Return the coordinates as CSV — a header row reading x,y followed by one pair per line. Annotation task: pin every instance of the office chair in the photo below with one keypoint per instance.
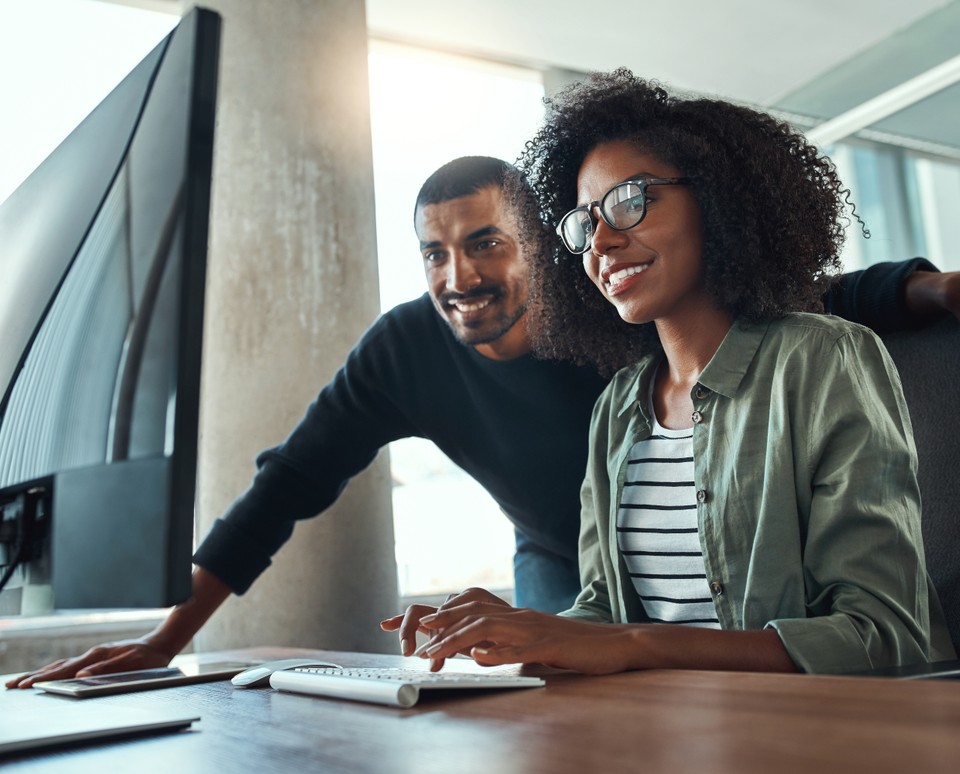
x,y
929,365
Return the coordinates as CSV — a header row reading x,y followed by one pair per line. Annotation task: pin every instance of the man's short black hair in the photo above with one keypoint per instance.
x,y
462,177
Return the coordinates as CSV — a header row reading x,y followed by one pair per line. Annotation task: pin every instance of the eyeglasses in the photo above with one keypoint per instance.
x,y
622,208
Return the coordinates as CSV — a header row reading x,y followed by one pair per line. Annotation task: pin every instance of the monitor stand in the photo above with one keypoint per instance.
x,y
26,587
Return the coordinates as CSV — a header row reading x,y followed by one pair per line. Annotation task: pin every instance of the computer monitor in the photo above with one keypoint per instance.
x,y
103,255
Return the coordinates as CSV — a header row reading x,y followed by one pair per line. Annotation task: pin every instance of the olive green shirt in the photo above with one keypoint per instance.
x,y
808,505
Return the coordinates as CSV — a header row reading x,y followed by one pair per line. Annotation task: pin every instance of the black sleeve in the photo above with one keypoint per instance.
x,y
353,417
874,296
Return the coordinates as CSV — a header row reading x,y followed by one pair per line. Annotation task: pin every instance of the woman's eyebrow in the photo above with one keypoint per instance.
x,y
627,179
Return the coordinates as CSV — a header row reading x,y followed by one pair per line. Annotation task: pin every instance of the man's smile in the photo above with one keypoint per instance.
x,y
469,304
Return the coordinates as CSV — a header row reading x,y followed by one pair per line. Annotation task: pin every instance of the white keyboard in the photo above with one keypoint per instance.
x,y
394,687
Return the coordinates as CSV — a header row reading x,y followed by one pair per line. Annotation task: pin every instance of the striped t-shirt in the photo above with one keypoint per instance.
x,y
657,530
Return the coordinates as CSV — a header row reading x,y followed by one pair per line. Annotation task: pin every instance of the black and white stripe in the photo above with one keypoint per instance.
x,y
657,530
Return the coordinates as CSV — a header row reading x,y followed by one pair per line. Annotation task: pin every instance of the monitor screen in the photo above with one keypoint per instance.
x,y
103,251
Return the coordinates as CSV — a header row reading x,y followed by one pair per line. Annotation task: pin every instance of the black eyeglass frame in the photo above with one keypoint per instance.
x,y
642,183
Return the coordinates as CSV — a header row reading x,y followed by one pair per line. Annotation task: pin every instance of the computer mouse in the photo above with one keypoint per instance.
x,y
258,676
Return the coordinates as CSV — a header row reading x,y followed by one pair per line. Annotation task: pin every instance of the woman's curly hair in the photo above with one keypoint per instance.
x,y
772,211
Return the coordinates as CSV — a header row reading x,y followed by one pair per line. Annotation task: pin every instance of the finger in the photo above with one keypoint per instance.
x,y
451,617
124,662
391,624
452,602
473,594
460,637
410,625
498,655
497,626
19,680
58,670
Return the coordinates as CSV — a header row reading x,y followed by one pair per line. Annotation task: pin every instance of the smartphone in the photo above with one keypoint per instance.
x,y
144,679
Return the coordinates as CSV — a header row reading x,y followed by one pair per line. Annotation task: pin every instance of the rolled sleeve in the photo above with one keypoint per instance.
x,y
863,562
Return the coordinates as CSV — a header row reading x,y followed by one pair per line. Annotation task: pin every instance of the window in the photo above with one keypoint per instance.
x,y
96,43
427,109
907,200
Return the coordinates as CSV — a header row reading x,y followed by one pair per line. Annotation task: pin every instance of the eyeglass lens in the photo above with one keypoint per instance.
x,y
622,207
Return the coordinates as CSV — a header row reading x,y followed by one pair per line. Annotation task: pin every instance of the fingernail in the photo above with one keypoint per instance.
x,y
405,647
428,649
429,618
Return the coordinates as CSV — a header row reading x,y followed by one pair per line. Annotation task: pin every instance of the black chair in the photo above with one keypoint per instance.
x,y
929,365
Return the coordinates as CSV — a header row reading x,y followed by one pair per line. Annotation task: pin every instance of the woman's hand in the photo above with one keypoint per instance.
x,y
494,633
411,622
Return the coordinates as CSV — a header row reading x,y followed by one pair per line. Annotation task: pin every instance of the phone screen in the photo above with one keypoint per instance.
x,y
127,677
144,679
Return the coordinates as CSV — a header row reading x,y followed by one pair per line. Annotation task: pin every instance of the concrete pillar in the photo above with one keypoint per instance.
x,y
292,283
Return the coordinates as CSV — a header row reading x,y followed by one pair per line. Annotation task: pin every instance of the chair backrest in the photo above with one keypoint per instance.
x,y
929,365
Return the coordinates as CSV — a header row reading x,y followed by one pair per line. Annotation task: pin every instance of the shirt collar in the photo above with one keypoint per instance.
x,y
730,362
636,394
723,373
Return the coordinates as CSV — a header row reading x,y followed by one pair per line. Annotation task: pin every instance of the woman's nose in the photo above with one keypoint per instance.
x,y
605,238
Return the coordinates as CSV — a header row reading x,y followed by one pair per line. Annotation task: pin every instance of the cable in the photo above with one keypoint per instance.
x,y
29,512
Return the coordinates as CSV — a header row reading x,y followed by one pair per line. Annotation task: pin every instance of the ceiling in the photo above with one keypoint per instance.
x,y
813,60
816,59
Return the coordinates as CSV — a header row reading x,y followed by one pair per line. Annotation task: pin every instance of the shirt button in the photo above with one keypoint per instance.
x,y
701,496
716,588
697,417
702,392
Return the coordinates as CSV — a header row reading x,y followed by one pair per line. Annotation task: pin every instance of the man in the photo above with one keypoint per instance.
x,y
454,366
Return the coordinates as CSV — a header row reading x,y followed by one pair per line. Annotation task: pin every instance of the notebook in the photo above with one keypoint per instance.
x,y
47,725
393,687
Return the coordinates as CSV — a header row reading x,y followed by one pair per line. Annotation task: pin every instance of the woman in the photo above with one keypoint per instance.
x,y
750,500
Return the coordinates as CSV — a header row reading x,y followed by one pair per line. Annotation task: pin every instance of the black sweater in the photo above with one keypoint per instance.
x,y
519,427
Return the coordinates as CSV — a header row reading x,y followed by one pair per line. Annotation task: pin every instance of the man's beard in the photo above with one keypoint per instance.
x,y
481,337
480,331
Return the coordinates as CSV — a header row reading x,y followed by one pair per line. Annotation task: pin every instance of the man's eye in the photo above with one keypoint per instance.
x,y
487,244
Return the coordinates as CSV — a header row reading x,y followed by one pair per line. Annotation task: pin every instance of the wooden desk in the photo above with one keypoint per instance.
x,y
666,721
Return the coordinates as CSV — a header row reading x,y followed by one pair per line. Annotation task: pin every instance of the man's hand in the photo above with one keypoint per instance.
x,y
930,293
151,651
122,656
410,622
